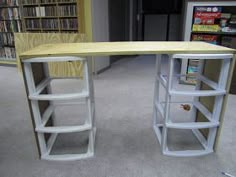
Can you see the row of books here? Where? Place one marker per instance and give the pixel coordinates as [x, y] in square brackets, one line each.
[10, 26]
[45, 1]
[67, 10]
[9, 22]
[32, 23]
[30, 1]
[40, 11]
[52, 1]
[9, 3]
[9, 14]
[69, 23]
[63, 10]
[6, 39]
[8, 53]
[52, 23]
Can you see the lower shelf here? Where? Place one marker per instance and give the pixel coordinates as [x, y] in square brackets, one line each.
[184, 153]
[64, 129]
[70, 157]
[8, 62]
[192, 125]
[187, 153]
[67, 157]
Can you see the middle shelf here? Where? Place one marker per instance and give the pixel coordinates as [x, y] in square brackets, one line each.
[212, 91]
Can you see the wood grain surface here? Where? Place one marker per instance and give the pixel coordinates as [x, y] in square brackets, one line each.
[124, 48]
[27, 41]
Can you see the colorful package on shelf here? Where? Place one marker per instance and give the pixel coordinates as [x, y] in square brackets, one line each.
[208, 9]
[207, 15]
[203, 37]
[192, 69]
[204, 21]
[211, 28]
[206, 18]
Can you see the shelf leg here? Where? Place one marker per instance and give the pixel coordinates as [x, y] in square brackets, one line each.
[167, 103]
[37, 120]
[225, 66]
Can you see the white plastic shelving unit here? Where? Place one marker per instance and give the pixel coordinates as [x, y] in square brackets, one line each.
[162, 121]
[36, 93]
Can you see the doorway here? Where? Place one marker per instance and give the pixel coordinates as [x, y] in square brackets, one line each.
[144, 20]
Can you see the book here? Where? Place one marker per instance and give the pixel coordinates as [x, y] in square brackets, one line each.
[42, 11]
[37, 11]
[67, 10]
[8, 52]
[15, 13]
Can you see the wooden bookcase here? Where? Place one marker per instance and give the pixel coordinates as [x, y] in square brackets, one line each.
[52, 15]
[10, 22]
[35, 16]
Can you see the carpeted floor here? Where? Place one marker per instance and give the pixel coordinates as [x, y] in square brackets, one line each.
[125, 142]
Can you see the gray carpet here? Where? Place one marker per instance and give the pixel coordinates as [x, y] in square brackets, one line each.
[125, 142]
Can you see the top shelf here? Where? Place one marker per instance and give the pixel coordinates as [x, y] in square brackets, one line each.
[215, 33]
[9, 6]
[50, 3]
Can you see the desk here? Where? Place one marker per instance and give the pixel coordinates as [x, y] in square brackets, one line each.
[79, 51]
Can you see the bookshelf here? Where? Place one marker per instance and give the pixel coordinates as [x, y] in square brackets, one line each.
[213, 22]
[10, 22]
[52, 15]
[35, 16]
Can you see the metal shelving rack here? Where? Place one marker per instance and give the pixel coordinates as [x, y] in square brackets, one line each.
[162, 121]
[40, 90]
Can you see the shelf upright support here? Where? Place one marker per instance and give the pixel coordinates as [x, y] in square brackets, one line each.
[167, 103]
[225, 66]
[156, 88]
[41, 116]
[218, 90]
[35, 107]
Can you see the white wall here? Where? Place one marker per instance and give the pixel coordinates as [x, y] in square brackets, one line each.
[100, 30]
